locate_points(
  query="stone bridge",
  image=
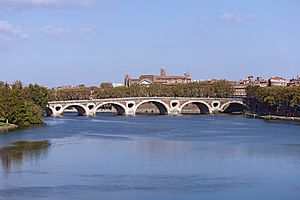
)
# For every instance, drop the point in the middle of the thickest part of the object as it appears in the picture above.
(165, 105)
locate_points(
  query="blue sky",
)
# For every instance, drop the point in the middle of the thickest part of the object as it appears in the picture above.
(71, 42)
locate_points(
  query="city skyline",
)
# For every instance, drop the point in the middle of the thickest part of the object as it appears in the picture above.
(88, 42)
(174, 77)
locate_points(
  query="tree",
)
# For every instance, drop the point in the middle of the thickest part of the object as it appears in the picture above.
(251, 91)
(27, 113)
(6, 103)
(222, 89)
(106, 85)
(17, 107)
(38, 94)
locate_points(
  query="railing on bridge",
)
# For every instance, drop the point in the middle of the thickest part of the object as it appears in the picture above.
(145, 98)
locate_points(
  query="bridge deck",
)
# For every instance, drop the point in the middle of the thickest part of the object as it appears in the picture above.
(146, 98)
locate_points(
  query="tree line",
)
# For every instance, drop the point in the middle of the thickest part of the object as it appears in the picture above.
(219, 89)
(275, 96)
(23, 106)
(80, 93)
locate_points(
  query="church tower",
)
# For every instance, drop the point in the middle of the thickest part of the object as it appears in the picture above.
(163, 71)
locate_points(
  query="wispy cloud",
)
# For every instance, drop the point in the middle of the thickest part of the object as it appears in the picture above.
(25, 4)
(66, 32)
(227, 16)
(10, 33)
(205, 23)
(208, 23)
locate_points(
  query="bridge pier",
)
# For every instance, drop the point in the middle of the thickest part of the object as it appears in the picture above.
(129, 112)
(90, 113)
(174, 111)
(174, 107)
(57, 114)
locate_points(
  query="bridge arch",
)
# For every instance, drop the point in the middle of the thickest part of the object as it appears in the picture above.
(162, 106)
(81, 109)
(202, 105)
(49, 111)
(121, 109)
(234, 106)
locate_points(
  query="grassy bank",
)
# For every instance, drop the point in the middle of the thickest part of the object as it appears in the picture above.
(271, 117)
(6, 127)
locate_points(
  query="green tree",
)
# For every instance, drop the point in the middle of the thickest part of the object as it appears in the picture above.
(222, 89)
(27, 113)
(17, 108)
(275, 96)
(38, 94)
(7, 106)
(106, 85)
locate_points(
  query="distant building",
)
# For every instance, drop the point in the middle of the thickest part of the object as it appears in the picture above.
(209, 81)
(240, 90)
(163, 71)
(294, 81)
(250, 79)
(117, 84)
(67, 87)
(259, 81)
(162, 79)
(240, 86)
(277, 81)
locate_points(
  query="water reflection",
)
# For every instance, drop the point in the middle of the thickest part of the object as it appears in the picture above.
(14, 154)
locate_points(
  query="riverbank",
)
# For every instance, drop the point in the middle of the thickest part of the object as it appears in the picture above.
(7, 127)
(272, 117)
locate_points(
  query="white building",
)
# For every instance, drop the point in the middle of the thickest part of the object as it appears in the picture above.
(277, 81)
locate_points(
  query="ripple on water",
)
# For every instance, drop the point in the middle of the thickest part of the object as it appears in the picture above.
(112, 121)
(173, 184)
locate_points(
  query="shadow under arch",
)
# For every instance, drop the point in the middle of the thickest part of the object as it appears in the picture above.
(81, 111)
(234, 107)
(120, 108)
(162, 107)
(49, 111)
(203, 108)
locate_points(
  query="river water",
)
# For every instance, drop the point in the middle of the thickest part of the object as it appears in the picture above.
(155, 157)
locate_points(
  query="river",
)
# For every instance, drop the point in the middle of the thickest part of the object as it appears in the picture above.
(155, 157)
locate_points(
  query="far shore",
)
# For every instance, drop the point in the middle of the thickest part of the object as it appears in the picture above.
(272, 117)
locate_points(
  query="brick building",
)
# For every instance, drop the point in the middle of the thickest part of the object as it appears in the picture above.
(240, 86)
(162, 79)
